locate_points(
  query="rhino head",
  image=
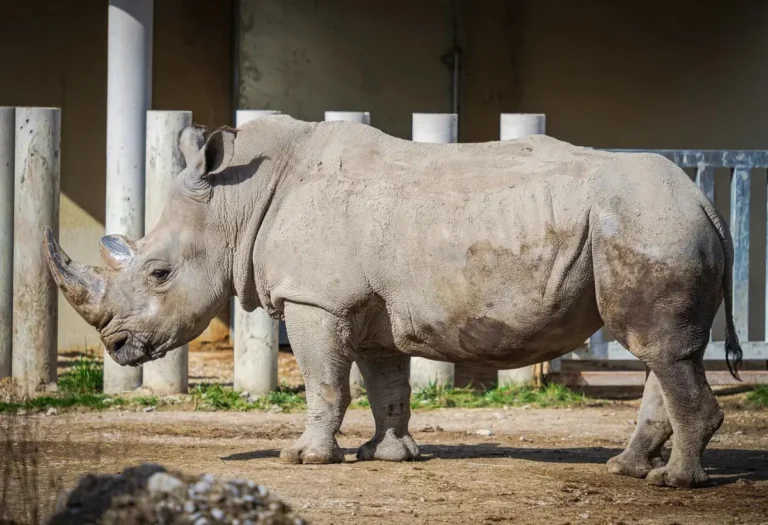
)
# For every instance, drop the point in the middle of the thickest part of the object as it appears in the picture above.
(161, 292)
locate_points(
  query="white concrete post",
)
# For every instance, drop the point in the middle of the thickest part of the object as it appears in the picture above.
(129, 96)
(440, 128)
(170, 374)
(515, 126)
(362, 117)
(7, 133)
(256, 338)
(36, 206)
(356, 382)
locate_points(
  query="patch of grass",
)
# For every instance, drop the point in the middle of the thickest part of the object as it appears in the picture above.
(84, 376)
(552, 395)
(758, 397)
(218, 397)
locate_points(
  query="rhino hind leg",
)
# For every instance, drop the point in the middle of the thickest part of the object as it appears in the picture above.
(389, 392)
(318, 350)
(643, 453)
(694, 415)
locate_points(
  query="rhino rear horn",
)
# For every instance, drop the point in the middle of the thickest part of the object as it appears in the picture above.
(83, 286)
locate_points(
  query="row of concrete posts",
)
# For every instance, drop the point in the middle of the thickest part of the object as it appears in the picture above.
(29, 184)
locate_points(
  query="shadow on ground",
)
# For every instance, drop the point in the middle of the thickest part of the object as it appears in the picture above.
(725, 466)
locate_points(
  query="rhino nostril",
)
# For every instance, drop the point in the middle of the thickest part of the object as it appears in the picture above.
(117, 343)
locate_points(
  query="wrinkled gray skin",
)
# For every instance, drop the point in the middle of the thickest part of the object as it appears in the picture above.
(375, 249)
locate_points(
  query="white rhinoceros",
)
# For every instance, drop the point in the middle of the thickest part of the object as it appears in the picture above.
(375, 249)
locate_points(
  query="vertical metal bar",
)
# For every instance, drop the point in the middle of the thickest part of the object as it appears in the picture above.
(36, 202)
(740, 198)
(169, 374)
(7, 134)
(705, 180)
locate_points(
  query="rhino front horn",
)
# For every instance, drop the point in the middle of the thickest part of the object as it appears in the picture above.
(83, 286)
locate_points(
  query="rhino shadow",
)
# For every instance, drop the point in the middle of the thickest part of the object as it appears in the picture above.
(725, 466)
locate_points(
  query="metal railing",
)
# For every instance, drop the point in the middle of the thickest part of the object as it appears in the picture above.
(741, 163)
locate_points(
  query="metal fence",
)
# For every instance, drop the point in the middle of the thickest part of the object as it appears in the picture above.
(741, 163)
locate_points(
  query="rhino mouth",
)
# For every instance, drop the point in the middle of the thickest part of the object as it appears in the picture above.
(128, 350)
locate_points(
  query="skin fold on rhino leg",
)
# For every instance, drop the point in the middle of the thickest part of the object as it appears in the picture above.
(695, 416)
(389, 392)
(643, 453)
(315, 341)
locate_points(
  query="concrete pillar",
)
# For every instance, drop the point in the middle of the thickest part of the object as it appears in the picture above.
(256, 335)
(170, 374)
(356, 382)
(7, 133)
(36, 206)
(440, 128)
(362, 117)
(515, 126)
(129, 96)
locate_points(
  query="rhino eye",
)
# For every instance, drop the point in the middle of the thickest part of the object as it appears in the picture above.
(160, 274)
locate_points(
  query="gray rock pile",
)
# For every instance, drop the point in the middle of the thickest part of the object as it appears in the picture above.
(149, 493)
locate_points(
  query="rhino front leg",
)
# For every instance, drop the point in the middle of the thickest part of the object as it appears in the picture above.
(389, 392)
(325, 366)
(643, 453)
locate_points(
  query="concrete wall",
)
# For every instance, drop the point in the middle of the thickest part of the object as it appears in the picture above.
(307, 57)
(55, 54)
(650, 74)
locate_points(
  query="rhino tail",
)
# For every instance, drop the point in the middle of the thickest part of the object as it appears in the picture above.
(733, 352)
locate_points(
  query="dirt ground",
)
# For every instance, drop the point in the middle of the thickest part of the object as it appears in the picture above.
(538, 466)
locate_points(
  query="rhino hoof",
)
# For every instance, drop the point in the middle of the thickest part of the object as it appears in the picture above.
(631, 465)
(670, 476)
(389, 448)
(308, 454)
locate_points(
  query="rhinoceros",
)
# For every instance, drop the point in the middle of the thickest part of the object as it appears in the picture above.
(375, 249)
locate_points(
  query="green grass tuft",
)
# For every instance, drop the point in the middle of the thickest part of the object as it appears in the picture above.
(85, 376)
(218, 397)
(758, 397)
(552, 395)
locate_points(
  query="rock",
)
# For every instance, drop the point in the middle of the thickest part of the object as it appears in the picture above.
(484, 432)
(148, 493)
(523, 438)
(274, 409)
(738, 433)
(149, 409)
(164, 483)
(51, 412)
(584, 516)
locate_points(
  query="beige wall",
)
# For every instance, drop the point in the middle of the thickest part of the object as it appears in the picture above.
(304, 58)
(55, 54)
(651, 74)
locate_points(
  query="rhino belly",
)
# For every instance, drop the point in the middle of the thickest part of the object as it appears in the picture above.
(498, 308)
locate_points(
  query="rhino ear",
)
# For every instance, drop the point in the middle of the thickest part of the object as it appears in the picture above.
(206, 156)
(117, 251)
(219, 149)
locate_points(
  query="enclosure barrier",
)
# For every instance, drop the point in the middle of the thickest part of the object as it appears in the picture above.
(7, 134)
(256, 335)
(440, 128)
(741, 163)
(36, 206)
(129, 96)
(356, 383)
(516, 126)
(169, 374)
